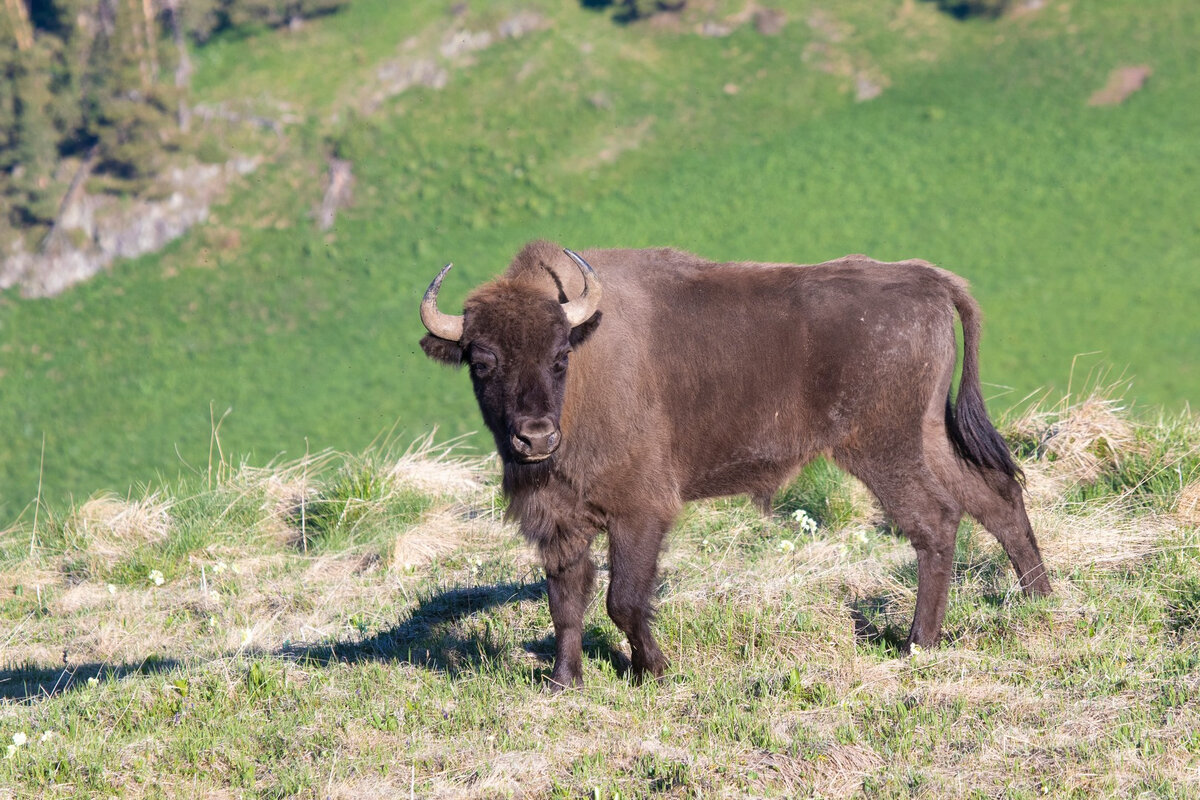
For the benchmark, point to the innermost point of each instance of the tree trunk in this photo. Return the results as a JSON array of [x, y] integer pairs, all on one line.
[[54, 237], [139, 50], [183, 68], [151, 38], [22, 28]]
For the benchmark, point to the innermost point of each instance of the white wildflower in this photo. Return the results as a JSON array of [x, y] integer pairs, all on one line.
[[786, 545], [112, 589], [12, 751], [19, 738], [93, 681], [807, 524], [47, 736], [156, 577]]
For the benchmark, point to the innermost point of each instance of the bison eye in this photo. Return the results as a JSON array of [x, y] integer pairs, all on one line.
[[482, 363], [560, 363]]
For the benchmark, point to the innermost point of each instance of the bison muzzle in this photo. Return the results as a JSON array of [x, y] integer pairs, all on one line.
[[619, 384]]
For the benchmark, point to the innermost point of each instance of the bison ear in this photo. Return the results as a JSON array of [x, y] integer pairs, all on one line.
[[581, 332], [442, 350]]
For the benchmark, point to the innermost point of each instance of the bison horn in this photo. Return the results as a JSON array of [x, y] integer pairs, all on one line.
[[582, 308], [443, 326]]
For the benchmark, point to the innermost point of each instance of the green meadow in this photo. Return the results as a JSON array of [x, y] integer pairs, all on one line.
[[367, 625], [258, 337]]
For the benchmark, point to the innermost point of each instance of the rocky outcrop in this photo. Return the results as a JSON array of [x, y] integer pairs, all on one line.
[[96, 229]]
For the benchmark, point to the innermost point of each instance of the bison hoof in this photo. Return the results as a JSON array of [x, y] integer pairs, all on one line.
[[651, 670], [555, 684]]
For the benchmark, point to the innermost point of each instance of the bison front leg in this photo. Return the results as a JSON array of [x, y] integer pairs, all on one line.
[[570, 578], [633, 549]]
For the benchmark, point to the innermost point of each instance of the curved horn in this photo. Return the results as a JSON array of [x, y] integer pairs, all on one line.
[[443, 326], [582, 308]]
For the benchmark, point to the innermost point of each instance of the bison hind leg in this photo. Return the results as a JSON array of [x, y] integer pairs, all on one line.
[[927, 514], [994, 500]]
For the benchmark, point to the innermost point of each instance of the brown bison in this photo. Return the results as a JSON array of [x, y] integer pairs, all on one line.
[[620, 384]]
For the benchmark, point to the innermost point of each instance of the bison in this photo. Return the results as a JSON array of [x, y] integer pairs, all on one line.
[[620, 384]]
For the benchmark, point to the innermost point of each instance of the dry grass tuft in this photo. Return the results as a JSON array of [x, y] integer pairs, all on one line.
[[841, 770], [1097, 534], [1076, 442], [111, 526], [435, 469], [439, 533], [1187, 509]]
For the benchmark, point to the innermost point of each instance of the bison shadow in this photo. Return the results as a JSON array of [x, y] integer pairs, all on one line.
[[429, 637], [24, 683], [626, 13]]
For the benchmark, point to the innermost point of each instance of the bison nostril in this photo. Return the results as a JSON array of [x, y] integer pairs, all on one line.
[[536, 439]]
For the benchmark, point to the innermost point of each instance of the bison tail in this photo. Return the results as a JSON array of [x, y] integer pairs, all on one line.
[[975, 438]]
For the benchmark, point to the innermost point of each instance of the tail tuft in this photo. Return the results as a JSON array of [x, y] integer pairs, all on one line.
[[975, 438]]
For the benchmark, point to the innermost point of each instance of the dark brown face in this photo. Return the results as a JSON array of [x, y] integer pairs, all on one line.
[[517, 342], [517, 345]]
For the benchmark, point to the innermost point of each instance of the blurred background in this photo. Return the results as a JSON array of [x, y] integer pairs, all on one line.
[[219, 215]]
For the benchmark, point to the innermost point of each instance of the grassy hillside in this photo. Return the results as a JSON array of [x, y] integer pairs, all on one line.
[[1076, 224], [354, 626]]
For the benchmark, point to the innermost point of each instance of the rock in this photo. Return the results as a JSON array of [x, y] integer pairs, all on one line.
[[337, 192], [102, 228], [769, 21], [715, 29], [1122, 82]]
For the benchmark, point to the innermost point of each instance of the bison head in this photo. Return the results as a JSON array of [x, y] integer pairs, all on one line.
[[517, 340]]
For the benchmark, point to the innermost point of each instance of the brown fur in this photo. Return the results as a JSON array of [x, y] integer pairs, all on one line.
[[698, 379]]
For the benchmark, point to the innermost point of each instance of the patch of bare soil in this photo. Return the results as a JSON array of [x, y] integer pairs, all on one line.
[[1122, 82]]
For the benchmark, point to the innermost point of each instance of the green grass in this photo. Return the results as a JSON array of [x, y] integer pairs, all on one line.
[[409, 654], [1075, 224]]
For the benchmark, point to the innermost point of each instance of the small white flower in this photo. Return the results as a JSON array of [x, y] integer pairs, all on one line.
[[93, 681], [156, 577], [112, 589], [247, 636], [12, 751], [786, 545], [19, 738], [914, 649], [47, 736], [807, 524]]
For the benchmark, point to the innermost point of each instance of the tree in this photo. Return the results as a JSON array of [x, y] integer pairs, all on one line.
[[278, 12]]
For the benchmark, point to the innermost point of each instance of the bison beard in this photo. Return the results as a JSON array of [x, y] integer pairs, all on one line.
[[687, 379]]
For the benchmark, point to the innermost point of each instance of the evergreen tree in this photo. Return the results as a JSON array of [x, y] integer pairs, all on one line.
[[28, 135], [278, 12], [126, 111], [103, 82]]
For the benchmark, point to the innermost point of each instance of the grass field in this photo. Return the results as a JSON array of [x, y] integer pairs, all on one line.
[[1076, 224], [355, 626]]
